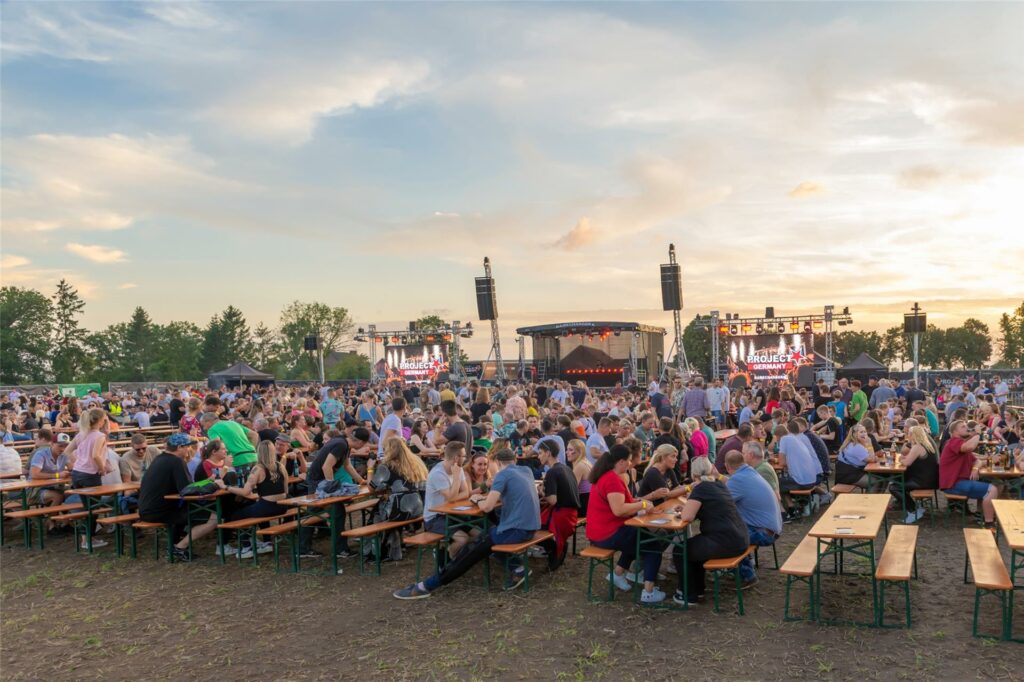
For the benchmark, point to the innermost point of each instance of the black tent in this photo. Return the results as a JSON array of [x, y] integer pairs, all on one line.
[[862, 367], [239, 374]]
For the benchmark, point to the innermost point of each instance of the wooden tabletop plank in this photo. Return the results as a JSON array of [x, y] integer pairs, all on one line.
[[11, 486], [103, 490], [1010, 514], [867, 512]]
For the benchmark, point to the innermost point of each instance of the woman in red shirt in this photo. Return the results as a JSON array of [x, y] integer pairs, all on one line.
[[609, 507]]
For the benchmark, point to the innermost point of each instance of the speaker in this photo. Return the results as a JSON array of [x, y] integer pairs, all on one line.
[[310, 342], [671, 287], [486, 305], [412, 326], [769, 312], [913, 324]]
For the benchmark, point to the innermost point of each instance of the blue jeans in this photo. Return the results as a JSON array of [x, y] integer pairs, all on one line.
[[475, 552], [762, 538], [975, 490], [624, 540], [719, 418]]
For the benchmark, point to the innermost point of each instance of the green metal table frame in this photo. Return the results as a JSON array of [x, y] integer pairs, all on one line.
[[89, 503], [838, 547], [652, 536], [454, 522], [886, 477], [197, 506]]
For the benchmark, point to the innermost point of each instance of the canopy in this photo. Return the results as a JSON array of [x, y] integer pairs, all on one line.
[[239, 373], [865, 362]]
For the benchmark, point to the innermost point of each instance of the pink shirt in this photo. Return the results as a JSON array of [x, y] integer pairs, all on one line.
[[83, 453]]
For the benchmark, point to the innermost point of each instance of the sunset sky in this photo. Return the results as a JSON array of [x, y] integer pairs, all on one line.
[[184, 157]]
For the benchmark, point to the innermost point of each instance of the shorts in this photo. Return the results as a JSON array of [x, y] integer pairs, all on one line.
[[435, 525], [975, 490]]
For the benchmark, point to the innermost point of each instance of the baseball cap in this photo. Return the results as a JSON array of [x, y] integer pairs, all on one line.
[[177, 440], [283, 438], [62, 438]]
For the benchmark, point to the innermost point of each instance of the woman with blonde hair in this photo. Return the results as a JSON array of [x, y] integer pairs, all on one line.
[[661, 481], [403, 476], [855, 453], [88, 451], [268, 480], [576, 453], [481, 404], [497, 445], [698, 440], [921, 457]]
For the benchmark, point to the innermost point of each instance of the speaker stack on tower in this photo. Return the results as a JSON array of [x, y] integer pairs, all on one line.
[[486, 305], [915, 324], [310, 343], [671, 287]]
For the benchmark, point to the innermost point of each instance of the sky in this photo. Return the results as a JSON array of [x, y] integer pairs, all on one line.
[[188, 156]]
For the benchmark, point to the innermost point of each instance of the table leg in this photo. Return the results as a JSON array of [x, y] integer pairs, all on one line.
[[87, 502], [332, 522], [188, 529]]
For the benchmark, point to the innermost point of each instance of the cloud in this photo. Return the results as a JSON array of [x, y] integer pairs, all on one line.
[[286, 106], [929, 176], [183, 15], [805, 189], [96, 253], [993, 123], [446, 214], [9, 260], [127, 285], [582, 234]]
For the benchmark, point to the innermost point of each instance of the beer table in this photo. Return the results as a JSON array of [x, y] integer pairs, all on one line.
[[311, 506], [197, 504], [880, 471], [465, 516], [855, 519], [19, 486], [725, 433], [1012, 477], [659, 526], [1010, 514], [90, 500]]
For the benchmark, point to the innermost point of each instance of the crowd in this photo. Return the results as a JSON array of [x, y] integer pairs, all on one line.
[[532, 455]]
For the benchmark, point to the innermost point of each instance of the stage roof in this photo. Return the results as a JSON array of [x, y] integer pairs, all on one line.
[[560, 328]]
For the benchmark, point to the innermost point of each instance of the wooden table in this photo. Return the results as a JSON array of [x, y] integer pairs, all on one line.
[[468, 517], [725, 433], [1012, 477], [14, 475], [199, 503], [885, 472], [865, 515], [658, 527], [326, 508], [19, 486], [1010, 514], [91, 499]]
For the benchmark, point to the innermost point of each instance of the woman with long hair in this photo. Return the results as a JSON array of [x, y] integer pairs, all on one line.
[[661, 479], [480, 405], [611, 504], [418, 441], [268, 480], [576, 453], [369, 411], [299, 434], [920, 455], [492, 457], [855, 453], [88, 451], [476, 473], [403, 476], [190, 422], [698, 440]]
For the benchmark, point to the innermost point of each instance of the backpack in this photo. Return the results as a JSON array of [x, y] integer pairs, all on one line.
[[204, 487]]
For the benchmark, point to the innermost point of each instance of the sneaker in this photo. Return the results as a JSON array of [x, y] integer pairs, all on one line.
[[345, 553], [230, 550], [516, 579], [652, 597], [245, 553], [791, 517], [96, 544], [620, 582], [411, 592], [747, 584], [310, 554], [920, 513], [815, 503], [264, 547], [827, 498], [911, 517], [678, 598], [671, 570], [182, 555], [807, 509], [536, 551]]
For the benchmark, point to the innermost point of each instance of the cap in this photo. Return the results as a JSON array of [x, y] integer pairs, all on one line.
[[177, 440], [283, 438], [62, 438], [417, 410]]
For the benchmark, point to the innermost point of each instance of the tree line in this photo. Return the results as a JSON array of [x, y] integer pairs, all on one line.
[[42, 341], [967, 346]]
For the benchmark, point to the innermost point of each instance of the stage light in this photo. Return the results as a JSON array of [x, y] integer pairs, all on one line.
[[807, 327], [618, 333], [395, 339], [759, 328], [818, 324], [794, 326], [782, 328], [723, 329], [734, 330], [746, 327], [430, 338], [378, 339]]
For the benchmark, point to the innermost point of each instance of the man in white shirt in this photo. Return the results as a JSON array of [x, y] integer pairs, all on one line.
[[596, 444], [392, 424], [718, 397], [1000, 389]]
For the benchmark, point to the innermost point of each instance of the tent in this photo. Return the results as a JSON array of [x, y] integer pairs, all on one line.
[[862, 367], [239, 374]]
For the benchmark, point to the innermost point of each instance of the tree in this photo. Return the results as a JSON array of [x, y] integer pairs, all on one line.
[[697, 342], [350, 366], [298, 320], [435, 322], [851, 344], [108, 354], [177, 352], [236, 336], [969, 343], [1011, 341], [26, 324], [266, 346], [140, 346], [898, 346], [68, 348]]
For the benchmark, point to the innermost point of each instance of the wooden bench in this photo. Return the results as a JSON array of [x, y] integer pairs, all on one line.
[[725, 565], [421, 541], [802, 566], [246, 530], [580, 523], [898, 562], [80, 521], [119, 524], [929, 499], [364, 507], [159, 530], [990, 577], [373, 533], [962, 501], [804, 497], [287, 531], [39, 515], [519, 550], [840, 488], [599, 556]]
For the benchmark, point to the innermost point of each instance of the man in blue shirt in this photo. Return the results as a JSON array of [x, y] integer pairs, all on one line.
[[514, 489], [801, 466], [756, 503], [330, 408]]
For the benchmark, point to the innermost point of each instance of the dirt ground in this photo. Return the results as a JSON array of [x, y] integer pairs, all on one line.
[[66, 615]]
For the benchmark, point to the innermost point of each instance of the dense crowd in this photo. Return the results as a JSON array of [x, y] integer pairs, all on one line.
[[533, 455]]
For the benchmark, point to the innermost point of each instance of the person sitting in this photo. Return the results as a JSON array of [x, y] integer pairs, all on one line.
[[576, 452], [698, 440], [855, 453], [609, 508], [959, 467], [133, 465], [167, 475], [48, 462], [520, 517], [447, 482], [268, 479], [757, 505], [661, 480], [920, 456], [561, 500], [734, 443], [753, 455], [722, 531], [402, 476], [800, 467], [333, 462], [213, 461], [476, 473]]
